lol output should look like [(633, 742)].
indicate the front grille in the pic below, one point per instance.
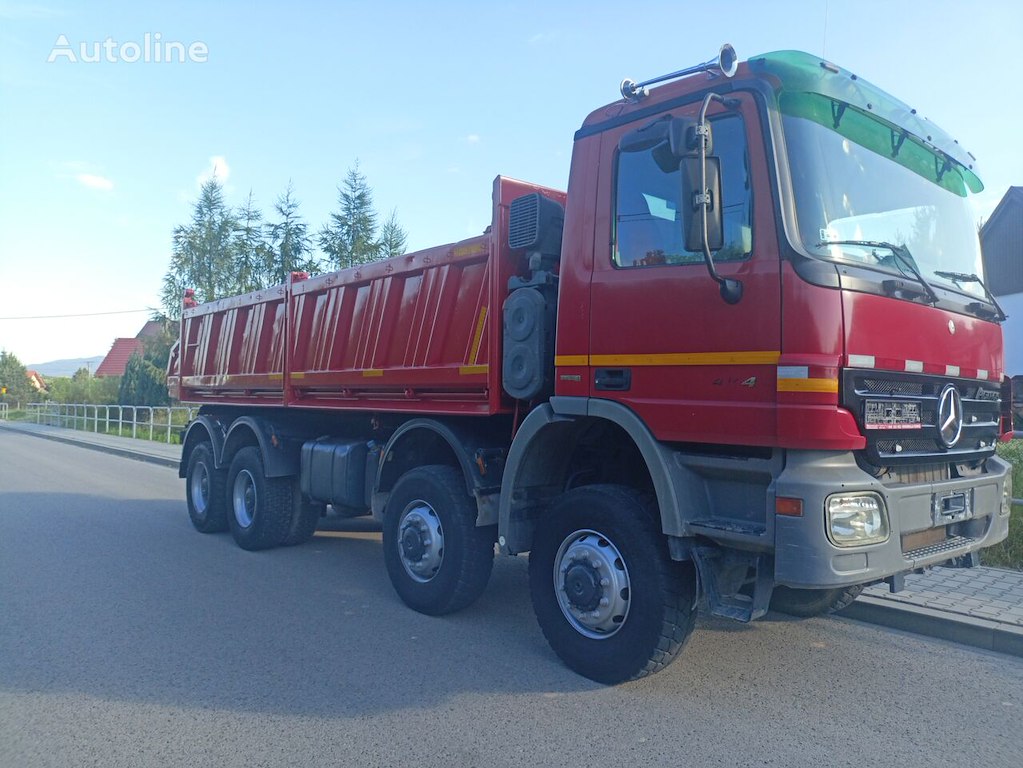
[(948, 545), (981, 406)]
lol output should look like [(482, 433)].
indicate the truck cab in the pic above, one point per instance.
[(828, 421)]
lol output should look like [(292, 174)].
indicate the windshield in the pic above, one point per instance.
[(856, 178)]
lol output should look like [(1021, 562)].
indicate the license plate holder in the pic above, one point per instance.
[(880, 414)]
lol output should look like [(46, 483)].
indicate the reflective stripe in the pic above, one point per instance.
[(951, 370), (470, 370), (914, 366), (793, 372), (982, 375), (829, 386), (688, 358), (563, 360), (861, 361)]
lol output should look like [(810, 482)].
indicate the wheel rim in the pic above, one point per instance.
[(244, 498), (200, 486), (420, 541), (592, 585)]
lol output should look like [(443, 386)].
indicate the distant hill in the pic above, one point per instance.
[(65, 367)]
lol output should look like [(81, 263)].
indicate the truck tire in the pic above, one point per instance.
[(812, 602), (438, 560), (305, 516), (206, 491), (259, 506), (609, 599)]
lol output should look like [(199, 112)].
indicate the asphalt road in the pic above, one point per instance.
[(127, 639)]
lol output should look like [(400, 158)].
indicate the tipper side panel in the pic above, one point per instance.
[(411, 333), (232, 350)]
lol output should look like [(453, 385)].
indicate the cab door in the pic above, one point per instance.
[(662, 340)]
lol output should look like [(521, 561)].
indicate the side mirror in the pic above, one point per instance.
[(693, 197)]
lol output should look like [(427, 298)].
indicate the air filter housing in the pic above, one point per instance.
[(535, 224)]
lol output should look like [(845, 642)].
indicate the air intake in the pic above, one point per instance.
[(535, 224)]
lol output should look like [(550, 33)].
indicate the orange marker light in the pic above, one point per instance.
[(788, 507)]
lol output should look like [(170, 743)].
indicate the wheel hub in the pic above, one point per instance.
[(582, 586), (592, 584), (200, 488), (420, 541), (243, 498)]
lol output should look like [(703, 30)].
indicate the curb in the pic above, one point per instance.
[(957, 628), (126, 453)]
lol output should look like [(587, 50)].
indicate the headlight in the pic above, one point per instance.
[(856, 519), (1007, 495)]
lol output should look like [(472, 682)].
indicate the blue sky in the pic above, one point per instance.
[(99, 161)]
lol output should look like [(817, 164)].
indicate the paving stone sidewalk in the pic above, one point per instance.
[(992, 594)]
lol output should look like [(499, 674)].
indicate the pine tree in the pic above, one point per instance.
[(201, 257), (249, 249), (393, 238), (290, 247), (350, 237)]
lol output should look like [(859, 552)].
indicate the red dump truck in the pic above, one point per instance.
[(746, 361)]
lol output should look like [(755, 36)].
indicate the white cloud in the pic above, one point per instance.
[(94, 181), (218, 168), (473, 138)]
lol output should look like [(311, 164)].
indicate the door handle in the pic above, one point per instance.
[(613, 379)]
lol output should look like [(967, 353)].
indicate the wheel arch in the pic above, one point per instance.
[(280, 453), (204, 428), (473, 451), (540, 457)]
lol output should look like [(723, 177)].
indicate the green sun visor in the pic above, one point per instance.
[(816, 90)]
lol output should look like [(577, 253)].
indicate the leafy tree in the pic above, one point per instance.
[(201, 257), (393, 238), (143, 383), (14, 377), (290, 247), (250, 252), (83, 387), (350, 238)]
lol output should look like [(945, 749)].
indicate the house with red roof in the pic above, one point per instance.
[(116, 361)]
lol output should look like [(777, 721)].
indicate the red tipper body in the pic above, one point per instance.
[(418, 332)]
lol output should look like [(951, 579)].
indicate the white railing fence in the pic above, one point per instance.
[(149, 422)]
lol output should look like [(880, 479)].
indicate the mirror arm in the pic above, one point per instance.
[(731, 290)]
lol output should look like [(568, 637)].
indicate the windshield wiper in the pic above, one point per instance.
[(963, 277), (902, 257)]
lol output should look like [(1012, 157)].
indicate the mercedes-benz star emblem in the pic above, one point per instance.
[(950, 416), (952, 327)]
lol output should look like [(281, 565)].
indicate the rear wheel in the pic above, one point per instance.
[(609, 599), (812, 602), (205, 491), (260, 506), (305, 516), (438, 560)]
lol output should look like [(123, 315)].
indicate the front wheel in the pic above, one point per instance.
[(609, 599), (438, 560), (813, 602)]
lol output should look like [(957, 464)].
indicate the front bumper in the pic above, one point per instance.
[(806, 558)]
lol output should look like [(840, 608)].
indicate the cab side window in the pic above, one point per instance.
[(648, 227)]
